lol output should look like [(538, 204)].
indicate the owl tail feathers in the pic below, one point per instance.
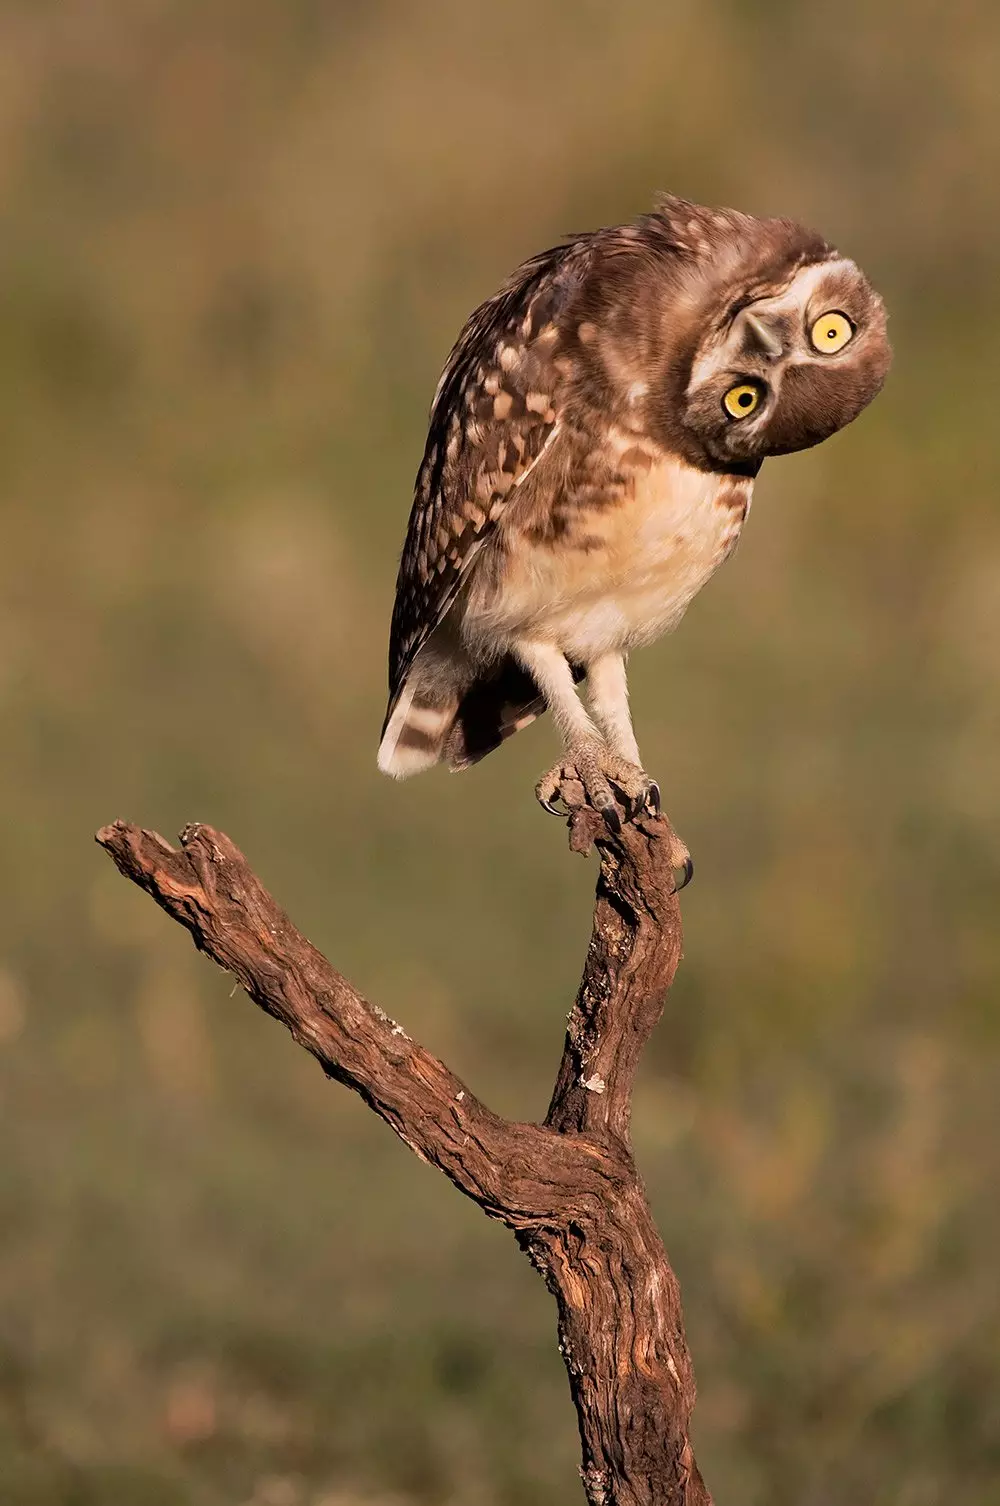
[(415, 733), (425, 726)]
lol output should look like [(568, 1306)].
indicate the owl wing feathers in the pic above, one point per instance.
[(494, 414)]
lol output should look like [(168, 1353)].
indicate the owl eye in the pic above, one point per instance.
[(740, 402), (831, 332)]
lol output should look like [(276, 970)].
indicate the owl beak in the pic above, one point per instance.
[(761, 335)]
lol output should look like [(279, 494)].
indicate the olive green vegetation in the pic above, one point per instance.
[(237, 241)]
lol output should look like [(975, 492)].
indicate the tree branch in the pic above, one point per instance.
[(569, 1188)]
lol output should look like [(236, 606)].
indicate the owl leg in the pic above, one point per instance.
[(607, 689), (601, 752), (584, 749)]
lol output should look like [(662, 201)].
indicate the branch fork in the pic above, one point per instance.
[(568, 1188)]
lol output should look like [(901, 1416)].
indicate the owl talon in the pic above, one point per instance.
[(576, 782), (640, 795), (687, 874), (604, 781), (549, 789)]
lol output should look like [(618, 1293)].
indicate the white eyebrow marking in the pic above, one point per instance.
[(807, 280)]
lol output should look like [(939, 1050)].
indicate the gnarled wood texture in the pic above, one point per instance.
[(568, 1188)]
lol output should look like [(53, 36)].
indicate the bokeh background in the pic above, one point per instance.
[(238, 237)]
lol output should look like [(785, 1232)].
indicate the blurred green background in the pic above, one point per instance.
[(238, 239)]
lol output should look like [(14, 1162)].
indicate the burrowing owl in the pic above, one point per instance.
[(592, 449)]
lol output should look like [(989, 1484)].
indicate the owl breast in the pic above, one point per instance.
[(620, 570)]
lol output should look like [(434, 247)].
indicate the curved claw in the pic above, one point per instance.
[(612, 820), (553, 810), (687, 874), (653, 804)]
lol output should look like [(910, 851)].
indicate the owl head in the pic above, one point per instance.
[(772, 340)]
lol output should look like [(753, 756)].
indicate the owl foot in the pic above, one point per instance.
[(601, 774), (595, 777)]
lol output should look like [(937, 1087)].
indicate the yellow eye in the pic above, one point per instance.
[(739, 402), (831, 332)]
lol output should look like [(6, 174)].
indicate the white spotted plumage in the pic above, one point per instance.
[(585, 472)]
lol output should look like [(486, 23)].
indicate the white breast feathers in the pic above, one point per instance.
[(623, 574)]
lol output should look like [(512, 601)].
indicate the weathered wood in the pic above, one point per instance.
[(568, 1188)]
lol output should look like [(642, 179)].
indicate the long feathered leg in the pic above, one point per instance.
[(607, 691), (584, 748)]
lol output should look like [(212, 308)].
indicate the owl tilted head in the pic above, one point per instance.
[(768, 341)]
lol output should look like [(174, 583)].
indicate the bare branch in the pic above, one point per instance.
[(633, 954), (568, 1188)]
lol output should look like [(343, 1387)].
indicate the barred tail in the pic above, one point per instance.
[(456, 718), (416, 731)]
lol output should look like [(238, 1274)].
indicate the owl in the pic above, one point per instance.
[(590, 461)]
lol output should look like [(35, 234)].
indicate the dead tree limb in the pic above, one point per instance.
[(568, 1188)]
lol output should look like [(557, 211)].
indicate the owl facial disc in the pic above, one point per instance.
[(813, 348)]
